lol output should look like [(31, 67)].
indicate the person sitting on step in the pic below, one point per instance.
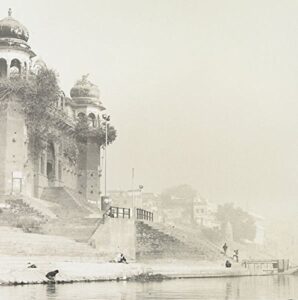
[(120, 258), (228, 264)]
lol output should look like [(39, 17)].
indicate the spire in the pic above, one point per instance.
[(9, 12)]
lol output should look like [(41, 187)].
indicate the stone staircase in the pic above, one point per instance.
[(41, 216), (73, 213), (78, 229), (158, 241), (39, 206), (191, 236), (15, 242), (17, 212), (68, 205)]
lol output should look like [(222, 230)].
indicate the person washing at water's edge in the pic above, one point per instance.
[(51, 275)]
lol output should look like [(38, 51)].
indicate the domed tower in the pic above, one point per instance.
[(15, 59), (86, 102), (15, 53)]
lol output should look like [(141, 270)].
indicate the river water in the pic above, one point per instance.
[(242, 288)]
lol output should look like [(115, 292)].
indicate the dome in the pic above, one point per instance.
[(11, 28), (85, 89)]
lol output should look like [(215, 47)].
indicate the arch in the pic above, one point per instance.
[(81, 115), (92, 119), (15, 68), (3, 68), (42, 164), (51, 159)]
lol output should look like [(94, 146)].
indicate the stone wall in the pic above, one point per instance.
[(115, 236), (13, 150), (3, 140), (19, 174)]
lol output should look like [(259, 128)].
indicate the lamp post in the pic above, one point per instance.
[(141, 196), (107, 119), (132, 190)]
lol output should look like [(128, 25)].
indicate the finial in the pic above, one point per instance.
[(9, 12)]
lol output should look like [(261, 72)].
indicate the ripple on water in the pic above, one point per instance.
[(244, 288)]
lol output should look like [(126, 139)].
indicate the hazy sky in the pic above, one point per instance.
[(201, 92)]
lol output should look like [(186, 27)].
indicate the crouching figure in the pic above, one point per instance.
[(51, 275)]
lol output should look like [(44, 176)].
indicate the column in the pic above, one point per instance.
[(8, 61)]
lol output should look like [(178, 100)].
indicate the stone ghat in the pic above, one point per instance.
[(16, 272)]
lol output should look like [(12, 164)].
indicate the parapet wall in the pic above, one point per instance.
[(114, 236)]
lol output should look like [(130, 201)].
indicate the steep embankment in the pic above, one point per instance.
[(158, 241)]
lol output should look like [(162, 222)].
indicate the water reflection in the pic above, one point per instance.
[(241, 288), (51, 290), (228, 290)]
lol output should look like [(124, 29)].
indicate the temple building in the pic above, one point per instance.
[(52, 171)]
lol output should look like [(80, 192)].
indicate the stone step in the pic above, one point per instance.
[(78, 229), (154, 243), (190, 237), (59, 195), (16, 242), (159, 240)]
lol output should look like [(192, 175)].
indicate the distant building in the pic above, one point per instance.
[(151, 202), (125, 199), (134, 199), (204, 213), (177, 210)]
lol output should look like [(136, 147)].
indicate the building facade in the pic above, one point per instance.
[(20, 173), (204, 213)]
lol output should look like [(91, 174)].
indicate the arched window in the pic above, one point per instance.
[(50, 161), (92, 119), (15, 68), (3, 68), (81, 115), (57, 103)]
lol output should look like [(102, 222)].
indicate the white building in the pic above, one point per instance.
[(204, 213)]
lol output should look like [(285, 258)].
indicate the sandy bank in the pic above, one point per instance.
[(14, 270)]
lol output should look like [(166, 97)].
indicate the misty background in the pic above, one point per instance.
[(200, 92)]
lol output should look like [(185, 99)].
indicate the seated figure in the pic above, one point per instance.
[(51, 275), (228, 264), (120, 258)]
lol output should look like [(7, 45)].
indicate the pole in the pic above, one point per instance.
[(141, 196), (132, 188), (106, 157)]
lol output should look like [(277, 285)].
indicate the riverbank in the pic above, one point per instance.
[(15, 271)]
